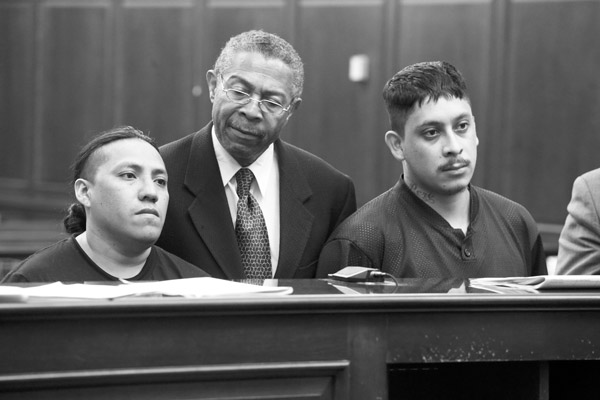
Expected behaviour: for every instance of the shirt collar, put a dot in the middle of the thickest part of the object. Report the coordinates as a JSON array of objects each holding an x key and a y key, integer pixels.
[{"x": 262, "y": 168}]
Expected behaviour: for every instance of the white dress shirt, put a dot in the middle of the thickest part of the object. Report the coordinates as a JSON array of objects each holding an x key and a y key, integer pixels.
[{"x": 265, "y": 189}]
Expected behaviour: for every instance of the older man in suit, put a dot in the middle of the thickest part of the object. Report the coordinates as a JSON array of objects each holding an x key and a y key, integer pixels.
[
  {"x": 579, "y": 242},
  {"x": 245, "y": 204}
]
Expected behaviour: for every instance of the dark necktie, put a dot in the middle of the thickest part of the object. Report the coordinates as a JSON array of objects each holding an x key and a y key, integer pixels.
[{"x": 251, "y": 230}]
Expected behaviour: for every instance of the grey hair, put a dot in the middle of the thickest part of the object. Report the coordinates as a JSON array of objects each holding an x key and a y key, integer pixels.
[{"x": 268, "y": 45}]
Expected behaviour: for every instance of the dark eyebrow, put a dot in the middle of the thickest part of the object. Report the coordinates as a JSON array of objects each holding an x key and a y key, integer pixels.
[
  {"x": 463, "y": 116},
  {"x": 138, "y": 167},
  {"x": 430, "y": 123},
  {"x": 438, "y": 123},
  {"x": 237, "y": 78},
  {"x": 160, "y": 171}
]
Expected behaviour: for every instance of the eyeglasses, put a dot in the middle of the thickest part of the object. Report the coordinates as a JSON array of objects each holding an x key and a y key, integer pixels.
[{"x": 266, "y": 106}]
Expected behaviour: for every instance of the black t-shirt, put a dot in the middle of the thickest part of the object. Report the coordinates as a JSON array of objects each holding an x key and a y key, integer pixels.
[{"x": 65, "y": 261}]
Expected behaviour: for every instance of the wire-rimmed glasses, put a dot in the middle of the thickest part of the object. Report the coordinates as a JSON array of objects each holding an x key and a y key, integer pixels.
[{"x": 240, "y": 97}]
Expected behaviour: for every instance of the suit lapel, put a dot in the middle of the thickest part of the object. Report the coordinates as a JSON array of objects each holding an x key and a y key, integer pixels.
[
  {"x": 209, "y": 211},
  {"x": 296, "y": 220}
]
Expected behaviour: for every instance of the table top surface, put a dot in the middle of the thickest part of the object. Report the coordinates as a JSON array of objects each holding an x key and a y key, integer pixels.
[{"x": 325, "y": 295}]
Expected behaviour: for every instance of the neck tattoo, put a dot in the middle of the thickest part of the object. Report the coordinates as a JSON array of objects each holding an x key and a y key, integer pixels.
[{"x": 425, "y": 196}]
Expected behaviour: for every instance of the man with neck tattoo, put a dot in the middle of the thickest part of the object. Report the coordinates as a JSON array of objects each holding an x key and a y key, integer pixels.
[{"x": 434, "y": 223}]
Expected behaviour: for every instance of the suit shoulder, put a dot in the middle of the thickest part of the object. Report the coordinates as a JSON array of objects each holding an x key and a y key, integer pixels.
[
  {"x": 591, "y": 179},
  {"x": 174, "y": 148},
  {"x": 593, "y": 174},
  {"x": 176, "y": 155}
]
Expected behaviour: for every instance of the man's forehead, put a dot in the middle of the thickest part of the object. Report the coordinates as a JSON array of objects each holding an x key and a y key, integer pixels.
[
  {"x": 442, "y": 108},
  {"x": 255, "y": 60},
  {"x": 249, "y": 66},
  {"x": 128, "y": 152}
]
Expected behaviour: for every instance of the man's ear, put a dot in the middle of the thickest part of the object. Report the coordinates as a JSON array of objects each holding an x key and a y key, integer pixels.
[
  {"x": 82, "y": 191},
  {"x": 211, "y": 80},
  {"x": 294, "y": 106},
  {"x": 394, "y": 143}
]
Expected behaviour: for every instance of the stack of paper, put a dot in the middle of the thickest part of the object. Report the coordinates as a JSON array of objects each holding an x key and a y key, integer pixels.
[
  {"x": 540, "y": 282},
  {"x": 188, "y": 288}
]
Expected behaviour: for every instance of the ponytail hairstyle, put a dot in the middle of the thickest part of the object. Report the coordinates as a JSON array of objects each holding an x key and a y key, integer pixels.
[{"x": 75, "y": 220}]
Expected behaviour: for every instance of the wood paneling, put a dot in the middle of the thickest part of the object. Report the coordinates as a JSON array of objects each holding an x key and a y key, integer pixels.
[
  {"x": 552, "y": 132},
  {"x": 297, "y": 380},
  {"x": 74, "y": 60},
  {"x": 315, "y": 344},
  {"x": 340, "y": 120},
  {"x": 483, "y": 380},
  {"x": 230, "y": 17},
  {"x": 16, "y": 92},
  {"x": 72, "y": 68},
  {"x": 154, "y": 67}
]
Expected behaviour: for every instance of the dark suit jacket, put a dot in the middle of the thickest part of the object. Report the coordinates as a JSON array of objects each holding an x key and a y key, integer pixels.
[{"x": 314, "y": 199}]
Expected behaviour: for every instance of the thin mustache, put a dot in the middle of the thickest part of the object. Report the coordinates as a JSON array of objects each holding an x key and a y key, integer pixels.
[
  {"x": 452, "y": 164},
  {"x": 245, "y": 130},
  {"x": 242, "y": 127}
]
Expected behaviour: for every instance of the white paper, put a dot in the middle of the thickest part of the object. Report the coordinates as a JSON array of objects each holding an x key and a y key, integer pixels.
[
  {"x": 541, "y": 282},
  {"x": 188, "y": 288}
]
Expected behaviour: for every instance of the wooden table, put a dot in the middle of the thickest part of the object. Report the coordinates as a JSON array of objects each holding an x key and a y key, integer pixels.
[{"x": 352, "y": 341}]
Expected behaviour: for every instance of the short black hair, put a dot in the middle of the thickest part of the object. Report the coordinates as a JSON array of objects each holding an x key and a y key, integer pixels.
[{"x": 417, "y": 83}]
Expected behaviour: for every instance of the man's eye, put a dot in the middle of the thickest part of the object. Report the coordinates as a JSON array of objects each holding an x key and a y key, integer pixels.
[
  {"x": 430, "y": 133},
  {"x": 128, "y": 175},
  {"x": 238, "y": 94},
  {"x": 463, "y": 126},
  {"x": 161, "y": 182},
  {"x": 272, "y": 105}
]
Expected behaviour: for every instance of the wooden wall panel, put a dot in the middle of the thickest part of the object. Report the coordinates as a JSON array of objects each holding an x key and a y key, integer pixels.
[
  {"x": 74, "y": 62},
  {"x": 16, "y": 91},
  {"x": 226, "y": 18},
  {"x": 553, "y": 105},
  {"x": 457, "y": 31},
  {"x": 154, "y": 67},
  {"x": 340, "y": 120},
  {"x": 71, "y": 68}
]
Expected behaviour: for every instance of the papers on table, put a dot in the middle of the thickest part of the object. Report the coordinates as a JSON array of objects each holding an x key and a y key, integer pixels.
[
  {"x": 540, "y": 282},
  {"x": 188, "y": 288}
]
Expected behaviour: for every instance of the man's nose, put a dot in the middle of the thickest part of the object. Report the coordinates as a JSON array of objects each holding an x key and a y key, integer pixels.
[
  {"x": 149, "y": 191},
  {"x": 252, "y": 109},
  {"x": 452, "y": 144}
]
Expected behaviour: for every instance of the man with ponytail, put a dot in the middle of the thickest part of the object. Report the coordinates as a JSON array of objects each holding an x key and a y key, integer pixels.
[{"x": 120, "y": 182}]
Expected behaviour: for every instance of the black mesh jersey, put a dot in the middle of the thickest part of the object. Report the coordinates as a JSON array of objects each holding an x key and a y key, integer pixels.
[{"x": 400, "y": 234}]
